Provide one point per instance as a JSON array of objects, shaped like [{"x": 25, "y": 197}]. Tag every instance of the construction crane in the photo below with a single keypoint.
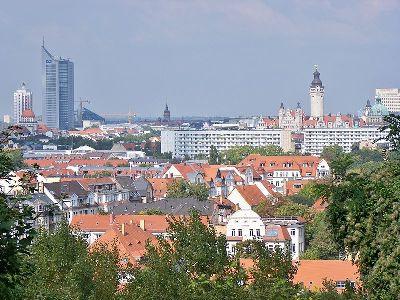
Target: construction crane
[
  {"x": 80, "y": 113},
  {"x": 130, "y": 114}
]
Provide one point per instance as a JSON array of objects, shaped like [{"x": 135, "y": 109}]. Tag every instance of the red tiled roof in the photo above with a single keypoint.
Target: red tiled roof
[{"x": 252, "y": 194}]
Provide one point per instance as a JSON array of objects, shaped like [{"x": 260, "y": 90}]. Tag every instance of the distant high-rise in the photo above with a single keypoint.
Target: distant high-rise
[
  {"x": 317, "y": 96},
  {"x": 390, "y": 98},
  {"x": 22, "y": 101},
  {"x": 58, "y": 91}
]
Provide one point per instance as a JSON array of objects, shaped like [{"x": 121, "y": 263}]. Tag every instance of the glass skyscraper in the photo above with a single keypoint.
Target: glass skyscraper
[{"x": 58, "y": 91}]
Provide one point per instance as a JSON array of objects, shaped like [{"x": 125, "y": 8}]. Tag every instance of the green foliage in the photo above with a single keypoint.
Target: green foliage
[
  {"x": 320, "y": 240},
  {"x": 64, "y": 269},
  {"x": 16, "y": 232},
  {"x": 193, "y": 265},
  {"x": 183, "y": 189},
  {"x": 331, "y": 153},
  {"x": 294, "y": 209},
  {"x": 236, "y": 154},
  {"x": 393, "y": 126},
  {"x": 214, "y": 158},
  {"x": 364, "y": 214}
]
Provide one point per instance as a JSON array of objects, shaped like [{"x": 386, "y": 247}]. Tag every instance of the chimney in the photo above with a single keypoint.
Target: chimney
[
  {"x": 111, "y": 218},
  {"x": 123, "y": 228},
  {"x": 142, "y": 224}
]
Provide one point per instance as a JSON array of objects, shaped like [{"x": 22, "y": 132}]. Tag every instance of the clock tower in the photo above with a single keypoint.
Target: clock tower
[{"x": 317, "y": 95}]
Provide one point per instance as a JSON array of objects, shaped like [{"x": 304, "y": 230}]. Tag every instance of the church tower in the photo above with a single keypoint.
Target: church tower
[
  {"x": 167, "y": 114},
  {"x": 317, "y": 95}
]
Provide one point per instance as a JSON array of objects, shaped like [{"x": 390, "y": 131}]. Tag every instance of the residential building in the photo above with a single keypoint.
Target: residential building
[
  {"x": 279, "y": 169},
  {"x": 316, "y": 139},
  {"x": 286, "y": 233},
  {"x": 22, "y": 101},
  {"x": 316, "y": 92},
  {"x": 198, "y": 142},
  {"x": 313, "y": 273},
  {"x": 390, "y": 98},
  {"x": 296, "y": 231},
  {"x": 58, "y": 91}
]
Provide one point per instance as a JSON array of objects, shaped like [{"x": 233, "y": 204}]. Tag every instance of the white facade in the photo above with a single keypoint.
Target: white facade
[
  {"x": 194, "y": 142},
  {"x": 22, "y": 101},
  {"x": 390, "y": 98},
  {"x": 316, "y": 139},
  {"x": 316, "y": 92}
]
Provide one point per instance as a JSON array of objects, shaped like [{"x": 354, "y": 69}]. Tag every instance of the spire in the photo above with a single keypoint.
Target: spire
[
  {"x": 23, "y": 86},
  {"x": 298, "y": 105},
  {"x": 43, "y": 42},
  {"x": 316, "y": 81},
  {"x": 282, "y": 107},
  {"x": 368, "y": 103}
]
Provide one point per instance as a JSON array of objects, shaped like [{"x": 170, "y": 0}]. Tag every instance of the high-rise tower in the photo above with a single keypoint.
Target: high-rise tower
[
  {"x": 317, "y": 95},
  {"x": 22, "y": 101},
  {"x": 58, "y": 91}
]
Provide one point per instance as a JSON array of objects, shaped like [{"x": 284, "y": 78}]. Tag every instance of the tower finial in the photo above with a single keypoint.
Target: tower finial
[
  {"x": 43, "y": 41},
  {"x": 316, "y": 67}
]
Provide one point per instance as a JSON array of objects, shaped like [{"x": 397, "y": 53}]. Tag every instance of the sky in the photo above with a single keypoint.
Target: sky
[{"x": 204, "y": 57}]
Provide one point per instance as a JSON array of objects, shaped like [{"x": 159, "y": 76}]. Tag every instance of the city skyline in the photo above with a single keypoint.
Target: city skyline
[{"x": 229, "y": 53}]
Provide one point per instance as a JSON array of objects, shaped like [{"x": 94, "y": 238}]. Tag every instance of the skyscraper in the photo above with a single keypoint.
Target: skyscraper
[
  {"x": 22, "y": 101},
  {"x": 317, "y": 96},
  {"x": 58, "y": 91}
]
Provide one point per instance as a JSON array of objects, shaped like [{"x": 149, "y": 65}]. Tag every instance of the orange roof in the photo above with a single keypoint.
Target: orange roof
[
  {"x": 313, "y": 272},
  {"x": 130, "y": 241},
  {"x": 101, "y": 223},
  {"x": 160, "y": 186},
  {"x": 320, "y": 204},
  {"x": 295, "y": 186},
  {"x": 186, "y": 169},
  {"x": 252, "y": 194}
]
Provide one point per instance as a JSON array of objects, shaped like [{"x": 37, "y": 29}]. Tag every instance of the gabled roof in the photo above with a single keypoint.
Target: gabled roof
[
  {"x": 251, "y": 194},
  {"x": 129, "y": 240},
  {"x": 160, "y": 186}
]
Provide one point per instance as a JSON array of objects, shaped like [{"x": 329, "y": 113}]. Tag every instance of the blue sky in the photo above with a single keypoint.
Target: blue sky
[{"x": 208, "y": 57}]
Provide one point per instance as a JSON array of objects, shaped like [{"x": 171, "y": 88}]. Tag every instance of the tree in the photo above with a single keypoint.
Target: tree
[
  {"x": 184, "y": 189},
  {"x": 214, "y": 158},
  {"x": 320, "y": 240},
  {"x": 272, "y": 272},
  {"x": 193, "y": 264},
  {"x": 236, "y": 154},
  {"x": 393, "y": 127},
  {"x": 64, "y": 269},
  {"x": 16, "y": 232}
]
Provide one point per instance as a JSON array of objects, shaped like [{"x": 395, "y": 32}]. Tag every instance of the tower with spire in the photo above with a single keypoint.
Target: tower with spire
[
  {"x": 316, "y": 92},
  {"x": 167, "y": 114}
]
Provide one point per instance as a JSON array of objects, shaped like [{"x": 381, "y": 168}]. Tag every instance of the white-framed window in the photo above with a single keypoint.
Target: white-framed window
[
  {"x": 293, "y": 248},
  {"x": 240, "y": 232},
  {"x": 233, "y": 232},
  {"x": 251, "y": 232},
  {"x": 258, "y": 232},
  {"x": 292, "y": 231}
]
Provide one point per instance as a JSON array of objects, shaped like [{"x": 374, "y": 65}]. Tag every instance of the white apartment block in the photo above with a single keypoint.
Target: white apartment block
[
  {"x": 22, "y": 101},
  {"x": 316, "y": 139},
  {"x": 195, "y": 142},
  {"x": 390, "y": 98}
]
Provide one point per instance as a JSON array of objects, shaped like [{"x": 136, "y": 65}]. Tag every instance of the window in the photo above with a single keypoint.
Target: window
[
  {"x": 340, "y": 284},
  {"x": 258, "y": 232},
  {"x": 251, "y": 232},
  {"x": 293, "y": 248},
  {"x": 292, "y": 231},
  {"x": 240, "y": 233},
  {"x": 233, "y": 232}
]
